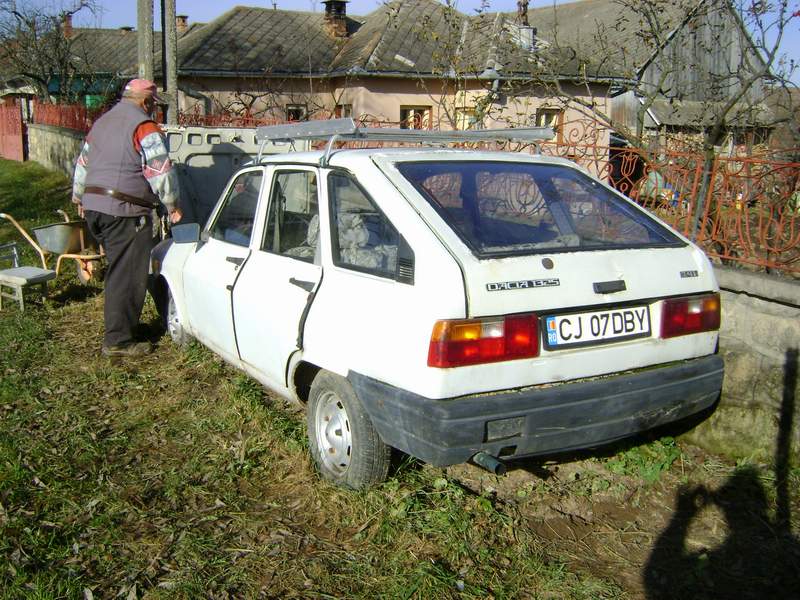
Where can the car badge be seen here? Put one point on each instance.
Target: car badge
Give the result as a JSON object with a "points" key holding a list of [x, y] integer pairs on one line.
{"points": [[525, 284]]}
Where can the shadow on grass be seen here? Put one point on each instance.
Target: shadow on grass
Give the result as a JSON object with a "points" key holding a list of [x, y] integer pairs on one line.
{"points": [[73, 292], [760, 558]]}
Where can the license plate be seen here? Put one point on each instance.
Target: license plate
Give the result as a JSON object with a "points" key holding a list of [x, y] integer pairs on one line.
{"points": [[596, 327]]}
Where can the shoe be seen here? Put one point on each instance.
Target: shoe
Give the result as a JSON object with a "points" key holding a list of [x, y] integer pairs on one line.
{"points": [[131, 349]]}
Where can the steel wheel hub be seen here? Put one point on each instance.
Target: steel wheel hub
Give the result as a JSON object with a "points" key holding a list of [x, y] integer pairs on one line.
{"points": [[173, 322], [333, 433]]}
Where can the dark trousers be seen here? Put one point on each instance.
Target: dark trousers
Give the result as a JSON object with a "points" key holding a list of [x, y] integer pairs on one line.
{"points": [[127, 242]]}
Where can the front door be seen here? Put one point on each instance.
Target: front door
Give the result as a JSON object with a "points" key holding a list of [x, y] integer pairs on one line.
{"points": [[211, 272], [272, 295]]}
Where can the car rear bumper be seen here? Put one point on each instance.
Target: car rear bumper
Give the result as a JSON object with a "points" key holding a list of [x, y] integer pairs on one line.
{"points": [[542, 419]]}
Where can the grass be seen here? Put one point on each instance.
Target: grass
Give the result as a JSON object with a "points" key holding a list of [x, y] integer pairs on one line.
{"points": [[180, 477]]}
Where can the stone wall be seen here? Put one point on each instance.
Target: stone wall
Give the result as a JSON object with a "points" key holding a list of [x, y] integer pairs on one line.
{"points": [[760, 338], [54, 147]]}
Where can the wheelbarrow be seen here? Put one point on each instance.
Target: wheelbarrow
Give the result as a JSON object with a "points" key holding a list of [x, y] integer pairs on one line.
{"points": [[67, 240]]}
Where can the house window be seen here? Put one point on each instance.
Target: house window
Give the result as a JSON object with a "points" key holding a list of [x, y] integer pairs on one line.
{"points": [[750, 137], [550, 117], [415, 117], [343, 111], [467, 118], [296, 112]]}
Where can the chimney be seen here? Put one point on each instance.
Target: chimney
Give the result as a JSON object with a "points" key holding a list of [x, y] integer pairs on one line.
{"points": [[66, 25], [336, 18], [181, 23]]}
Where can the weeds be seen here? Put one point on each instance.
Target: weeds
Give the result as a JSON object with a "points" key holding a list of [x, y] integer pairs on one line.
{"points": [[647, 461]]}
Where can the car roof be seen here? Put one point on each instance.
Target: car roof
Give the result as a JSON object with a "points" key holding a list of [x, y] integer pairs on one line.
{"points": [[348, 157]]}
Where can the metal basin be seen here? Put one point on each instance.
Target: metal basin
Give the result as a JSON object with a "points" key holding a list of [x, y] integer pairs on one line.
{"points": [[63, 238]]}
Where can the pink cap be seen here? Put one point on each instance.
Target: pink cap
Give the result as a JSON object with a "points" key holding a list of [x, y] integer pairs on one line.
{"points": [[142, 87]]}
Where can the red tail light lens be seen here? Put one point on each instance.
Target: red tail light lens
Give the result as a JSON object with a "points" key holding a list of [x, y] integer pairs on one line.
{"points": [[463, 342], [693, 314]]}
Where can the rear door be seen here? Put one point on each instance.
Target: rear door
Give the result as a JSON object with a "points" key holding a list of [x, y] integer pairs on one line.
{"points": [[210, 273], [272, 295]]}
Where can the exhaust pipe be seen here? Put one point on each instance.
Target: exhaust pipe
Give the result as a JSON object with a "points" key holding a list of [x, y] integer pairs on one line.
{"points": [[490, 463]]}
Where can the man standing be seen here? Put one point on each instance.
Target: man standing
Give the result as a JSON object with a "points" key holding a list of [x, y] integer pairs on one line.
{"points": [[122, 173]]}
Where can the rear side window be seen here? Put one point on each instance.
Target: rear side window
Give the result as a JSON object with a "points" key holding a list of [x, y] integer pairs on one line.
{"points": [[363, 238], [502, 208]]}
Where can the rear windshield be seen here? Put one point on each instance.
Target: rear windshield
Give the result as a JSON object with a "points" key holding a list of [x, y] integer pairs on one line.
{"points": [[504, 208]]}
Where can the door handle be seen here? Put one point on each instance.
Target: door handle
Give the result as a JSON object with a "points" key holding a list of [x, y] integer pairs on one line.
{"points": [[235, 260], [306, 285], [609, 287]]}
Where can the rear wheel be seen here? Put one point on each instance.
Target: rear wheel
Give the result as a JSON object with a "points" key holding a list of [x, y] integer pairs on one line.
{"points": [[344, 444]]}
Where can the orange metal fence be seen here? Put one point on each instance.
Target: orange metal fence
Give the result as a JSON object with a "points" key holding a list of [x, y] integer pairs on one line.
{"points": [[747, 213], [68, 116]]}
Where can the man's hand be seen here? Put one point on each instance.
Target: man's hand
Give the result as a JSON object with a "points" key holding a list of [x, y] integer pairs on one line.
{"points": [[78, 206], [175, 215]]}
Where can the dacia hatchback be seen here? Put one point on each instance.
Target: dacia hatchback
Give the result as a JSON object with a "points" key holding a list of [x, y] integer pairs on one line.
{"points": [[453, 304]]}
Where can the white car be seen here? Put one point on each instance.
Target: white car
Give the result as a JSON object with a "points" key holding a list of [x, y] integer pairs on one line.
{"points": [[453, 304]]}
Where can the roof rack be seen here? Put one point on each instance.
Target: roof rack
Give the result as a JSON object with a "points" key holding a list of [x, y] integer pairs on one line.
{"points": [[336, 130]]}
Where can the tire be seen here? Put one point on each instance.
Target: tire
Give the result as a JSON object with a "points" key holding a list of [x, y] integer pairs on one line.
{"points": [[345, 446], [173, 323]]}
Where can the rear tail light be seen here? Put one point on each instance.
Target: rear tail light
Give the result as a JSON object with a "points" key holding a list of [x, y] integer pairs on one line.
{"points": [[693, 314], [463, 342]]}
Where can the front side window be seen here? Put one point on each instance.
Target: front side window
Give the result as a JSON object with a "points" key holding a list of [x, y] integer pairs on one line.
{"points": [[293, 220], [504, 208], [363, 238], [234, 223]]}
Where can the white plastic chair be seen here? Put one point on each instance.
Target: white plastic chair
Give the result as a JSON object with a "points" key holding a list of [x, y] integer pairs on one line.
{"points": [[17, 278]]}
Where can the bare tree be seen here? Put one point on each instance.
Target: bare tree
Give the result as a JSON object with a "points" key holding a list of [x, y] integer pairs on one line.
{"points": [[36, 45], [456, 76], [710, 63]]}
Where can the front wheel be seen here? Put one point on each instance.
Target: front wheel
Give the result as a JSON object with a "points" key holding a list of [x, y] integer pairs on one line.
{"points": [[174, 323], [344, 444]]}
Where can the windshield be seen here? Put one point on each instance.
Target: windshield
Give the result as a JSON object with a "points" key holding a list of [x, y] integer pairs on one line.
{"points": [[507, 208]]}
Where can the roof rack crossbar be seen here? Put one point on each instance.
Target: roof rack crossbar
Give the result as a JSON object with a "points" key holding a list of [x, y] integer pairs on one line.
{"points": [[347, 130]]}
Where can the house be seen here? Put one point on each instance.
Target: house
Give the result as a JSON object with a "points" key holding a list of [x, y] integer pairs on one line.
{"points": [[416, 63], [594, 70]]}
